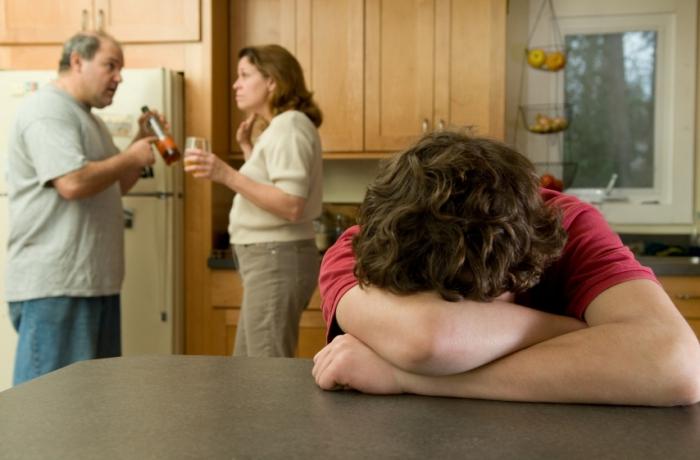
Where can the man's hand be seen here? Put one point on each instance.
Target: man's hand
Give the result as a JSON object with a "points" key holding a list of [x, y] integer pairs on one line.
{"points": [[141, 152], [346, 363]]}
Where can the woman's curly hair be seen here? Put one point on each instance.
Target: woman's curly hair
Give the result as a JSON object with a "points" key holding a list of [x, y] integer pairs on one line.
{"points": [[459, 215]]}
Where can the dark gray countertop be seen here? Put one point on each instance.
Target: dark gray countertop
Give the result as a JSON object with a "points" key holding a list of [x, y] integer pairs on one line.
{"points": [[220, 407], [662, 266], [672, 265]]}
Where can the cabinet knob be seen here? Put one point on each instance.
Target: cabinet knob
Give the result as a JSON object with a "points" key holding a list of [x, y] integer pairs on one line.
{"points": [[83, 19], [425, 125], [100, 19]]}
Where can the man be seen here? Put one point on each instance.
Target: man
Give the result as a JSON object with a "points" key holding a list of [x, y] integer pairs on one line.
{"points": [[65, 179], [474, 283]]}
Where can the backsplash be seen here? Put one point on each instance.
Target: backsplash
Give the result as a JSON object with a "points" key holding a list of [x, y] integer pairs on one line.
{"points": [[345, 181]]}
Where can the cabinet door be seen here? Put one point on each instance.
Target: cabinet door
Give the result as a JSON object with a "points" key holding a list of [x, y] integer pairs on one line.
{"points": [[399, 68], [470, 65], [43, 21], [334, 69], [685, 294], [259, 22], [148, 20], [326, 39]]}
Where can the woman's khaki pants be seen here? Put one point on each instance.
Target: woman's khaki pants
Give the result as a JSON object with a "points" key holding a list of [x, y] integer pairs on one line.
{"points": [[278, 281]]}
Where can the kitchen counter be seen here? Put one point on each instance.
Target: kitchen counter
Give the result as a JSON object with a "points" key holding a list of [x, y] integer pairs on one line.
{"points": [[672, 266], [662, 266], [222, 407]]}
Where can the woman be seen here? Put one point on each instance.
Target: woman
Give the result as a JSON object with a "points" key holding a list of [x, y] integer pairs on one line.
{"points": [[278, 195]]}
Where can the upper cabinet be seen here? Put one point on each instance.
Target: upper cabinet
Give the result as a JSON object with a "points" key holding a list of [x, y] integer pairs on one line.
{"points": [[433, 65], [386, 71], [129, 21], [326, 38], [149, 20]]}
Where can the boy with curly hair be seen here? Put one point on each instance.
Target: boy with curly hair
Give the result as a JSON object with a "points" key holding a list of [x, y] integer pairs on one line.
{"points": [[465, 279]]}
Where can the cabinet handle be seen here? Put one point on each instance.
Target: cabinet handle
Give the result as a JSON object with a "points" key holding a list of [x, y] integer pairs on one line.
{"points": [[425, 125], [83, 19], [441, 125], [100, 19], [687, 296]]}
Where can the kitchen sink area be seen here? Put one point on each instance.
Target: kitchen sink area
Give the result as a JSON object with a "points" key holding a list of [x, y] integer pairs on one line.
{"points": [[667, 255]]}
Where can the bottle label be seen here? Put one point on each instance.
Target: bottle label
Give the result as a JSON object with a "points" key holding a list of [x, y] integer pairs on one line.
{"points": [[157, 129]]}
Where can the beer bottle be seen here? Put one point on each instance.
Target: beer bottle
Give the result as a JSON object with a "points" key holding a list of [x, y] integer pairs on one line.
{"points": [[165, 144]]}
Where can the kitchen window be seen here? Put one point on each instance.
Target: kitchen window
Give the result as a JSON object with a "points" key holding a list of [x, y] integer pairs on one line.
{"points": [[629, 85]]}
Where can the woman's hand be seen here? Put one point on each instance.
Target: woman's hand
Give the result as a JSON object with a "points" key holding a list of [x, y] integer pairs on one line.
{"points": [[206, 165], [243, 134]]}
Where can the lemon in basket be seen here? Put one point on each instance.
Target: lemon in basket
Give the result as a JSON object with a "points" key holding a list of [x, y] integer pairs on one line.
{"points": [[536, 57]]}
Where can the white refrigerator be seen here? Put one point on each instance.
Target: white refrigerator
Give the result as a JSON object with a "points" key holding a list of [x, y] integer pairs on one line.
{"points": [[152, 294]]}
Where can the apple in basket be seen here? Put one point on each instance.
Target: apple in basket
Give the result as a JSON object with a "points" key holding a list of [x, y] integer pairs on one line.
{"points": [[550, 182]]}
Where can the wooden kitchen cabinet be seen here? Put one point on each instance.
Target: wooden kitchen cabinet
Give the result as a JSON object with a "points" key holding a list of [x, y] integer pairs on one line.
{"points": [[326, 38], [432, 65], [129, 21], [685, 293], [226, 299], [42, 21]]}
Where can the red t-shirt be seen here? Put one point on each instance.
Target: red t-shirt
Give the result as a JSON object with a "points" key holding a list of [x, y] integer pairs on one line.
{"points": [[593, 260]]}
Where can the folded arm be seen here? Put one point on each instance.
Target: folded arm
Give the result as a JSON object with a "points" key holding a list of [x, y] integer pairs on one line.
{"points": [[637, 350], [425, 334]]}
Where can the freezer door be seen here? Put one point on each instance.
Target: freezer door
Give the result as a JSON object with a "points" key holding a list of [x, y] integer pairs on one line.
{"points": [[8, 336], [14, 87], [161, 90], [152, 290]]}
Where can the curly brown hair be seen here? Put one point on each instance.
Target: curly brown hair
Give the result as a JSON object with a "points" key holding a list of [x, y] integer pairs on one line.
{"points": [[459, 215], [274, 61]]}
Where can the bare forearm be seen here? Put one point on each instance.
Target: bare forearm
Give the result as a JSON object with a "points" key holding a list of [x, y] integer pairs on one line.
{"points": [[96, 176], [424, 334], [267, 197], [247, 150], [587, 366], [128, 180], [637, 350]]}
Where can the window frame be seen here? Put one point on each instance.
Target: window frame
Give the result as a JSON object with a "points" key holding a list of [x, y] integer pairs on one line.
{"points": [[670, 201]]}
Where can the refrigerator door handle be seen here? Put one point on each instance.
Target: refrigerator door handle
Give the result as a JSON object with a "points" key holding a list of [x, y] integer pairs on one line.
{"points": [[151, 194]]}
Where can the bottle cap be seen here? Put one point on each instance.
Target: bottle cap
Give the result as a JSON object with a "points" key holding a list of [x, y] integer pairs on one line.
{"points": [[145, 109]]}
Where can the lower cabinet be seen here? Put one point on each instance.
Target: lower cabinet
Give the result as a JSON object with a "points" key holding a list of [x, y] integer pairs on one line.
{"points": [[685, 294], [227, 296]]}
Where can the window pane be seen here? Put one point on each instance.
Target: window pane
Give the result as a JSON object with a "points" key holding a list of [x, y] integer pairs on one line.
{"points": [[609, 85]]}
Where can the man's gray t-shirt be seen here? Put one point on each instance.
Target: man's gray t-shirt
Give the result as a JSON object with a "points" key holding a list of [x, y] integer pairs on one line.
{"points": [[60, 247]]}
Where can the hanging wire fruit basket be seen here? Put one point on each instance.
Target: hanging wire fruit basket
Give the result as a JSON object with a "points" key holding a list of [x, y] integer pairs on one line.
{"points": [[545, 118], [550, 58]]}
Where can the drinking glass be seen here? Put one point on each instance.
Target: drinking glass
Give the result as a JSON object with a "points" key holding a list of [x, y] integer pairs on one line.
{"points": [[193, 142]]}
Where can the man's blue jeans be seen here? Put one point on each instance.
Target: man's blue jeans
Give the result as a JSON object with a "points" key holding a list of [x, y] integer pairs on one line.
{"points": [[57, 331]]}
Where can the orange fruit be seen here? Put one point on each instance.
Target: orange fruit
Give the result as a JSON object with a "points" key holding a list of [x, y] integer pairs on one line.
{"points": [[555, 60]]}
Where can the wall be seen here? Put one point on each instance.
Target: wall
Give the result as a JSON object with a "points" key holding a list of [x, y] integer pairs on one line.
{"points": [[345, 181]]}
